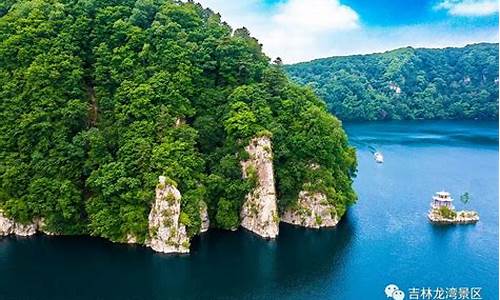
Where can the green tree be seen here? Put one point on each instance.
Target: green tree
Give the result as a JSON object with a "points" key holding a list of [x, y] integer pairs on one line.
{"points": [[99, 98], [407, 83], [465, 198]]}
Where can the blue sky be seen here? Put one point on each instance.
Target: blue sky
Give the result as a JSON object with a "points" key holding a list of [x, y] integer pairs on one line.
{"points": [[301, 30]]}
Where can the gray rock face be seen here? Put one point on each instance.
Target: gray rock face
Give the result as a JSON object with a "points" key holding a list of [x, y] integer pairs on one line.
{"points": [[312, 211], [205, 222], [259, 211], [166, 233], [8, 227]]}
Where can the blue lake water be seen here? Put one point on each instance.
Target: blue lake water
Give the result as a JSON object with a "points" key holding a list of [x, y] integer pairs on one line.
{"points": [[385, 238]]}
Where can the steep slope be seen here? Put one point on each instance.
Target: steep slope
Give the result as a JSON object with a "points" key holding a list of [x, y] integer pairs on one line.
{"points": [[260, 212], [100, 98], [407, 83]]}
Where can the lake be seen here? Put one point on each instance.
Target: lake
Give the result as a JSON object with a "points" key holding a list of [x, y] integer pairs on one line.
{"points": [[385, 238]]}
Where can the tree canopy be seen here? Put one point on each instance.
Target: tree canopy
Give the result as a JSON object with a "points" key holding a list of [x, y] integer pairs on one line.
{"points": [[407, 83], [100, 97]]}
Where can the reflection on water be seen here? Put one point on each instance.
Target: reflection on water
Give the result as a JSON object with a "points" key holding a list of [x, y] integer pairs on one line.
{"points": [[252, 266], [232, 265], [385, 238]]}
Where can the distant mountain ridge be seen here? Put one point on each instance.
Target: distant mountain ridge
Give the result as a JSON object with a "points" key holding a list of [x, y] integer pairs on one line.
{"points": [[407, 83]]}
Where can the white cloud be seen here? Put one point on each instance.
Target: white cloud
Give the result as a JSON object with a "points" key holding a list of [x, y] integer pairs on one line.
{"points": [[293, 28], [469, 8], [301, 30], [298, 27], [315, 15]]}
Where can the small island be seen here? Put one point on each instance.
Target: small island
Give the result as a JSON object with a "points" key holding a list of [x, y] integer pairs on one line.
{"points": [[443, 212]]}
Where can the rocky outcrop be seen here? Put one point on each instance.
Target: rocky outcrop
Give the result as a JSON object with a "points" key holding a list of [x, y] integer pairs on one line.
{"points": [[179, 122], [166, 233], [458, 217], [9, 226], [312, 210], [42, 227], [259, 211], [205, 222], [130, 239]]}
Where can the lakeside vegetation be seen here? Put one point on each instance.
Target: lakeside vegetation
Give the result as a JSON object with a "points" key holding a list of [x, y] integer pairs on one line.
{"points": [[407, 83], [100, 97]]}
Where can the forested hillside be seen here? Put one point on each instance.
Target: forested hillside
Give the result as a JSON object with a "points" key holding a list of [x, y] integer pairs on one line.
{"points": [[100, 97], [407, 83]]}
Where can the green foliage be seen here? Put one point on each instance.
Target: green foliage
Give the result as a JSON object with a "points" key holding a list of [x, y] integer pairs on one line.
{"points": [[407, 83], [318, 220], [227, 216], [465, 198], [190, 215], [240, 122], [447, 213], [184, 219], [315, 139], [99, 98], [18, 210], [5, 5], [252, 176]]}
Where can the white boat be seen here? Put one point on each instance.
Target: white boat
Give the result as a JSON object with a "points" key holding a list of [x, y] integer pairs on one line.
{"points": [[379, 158]]}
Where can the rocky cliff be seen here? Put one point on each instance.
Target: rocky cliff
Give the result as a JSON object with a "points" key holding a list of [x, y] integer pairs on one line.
{"points": [[259, 211], [312, 210], [166, 233], [205, 222], [8, 227]]}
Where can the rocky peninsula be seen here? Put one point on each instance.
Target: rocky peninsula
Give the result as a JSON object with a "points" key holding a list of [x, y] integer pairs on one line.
{"points": [[121, 93]]}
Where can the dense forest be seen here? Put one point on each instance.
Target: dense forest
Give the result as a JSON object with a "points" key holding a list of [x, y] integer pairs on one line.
{"points": [[407, 83], [100, 97]]}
